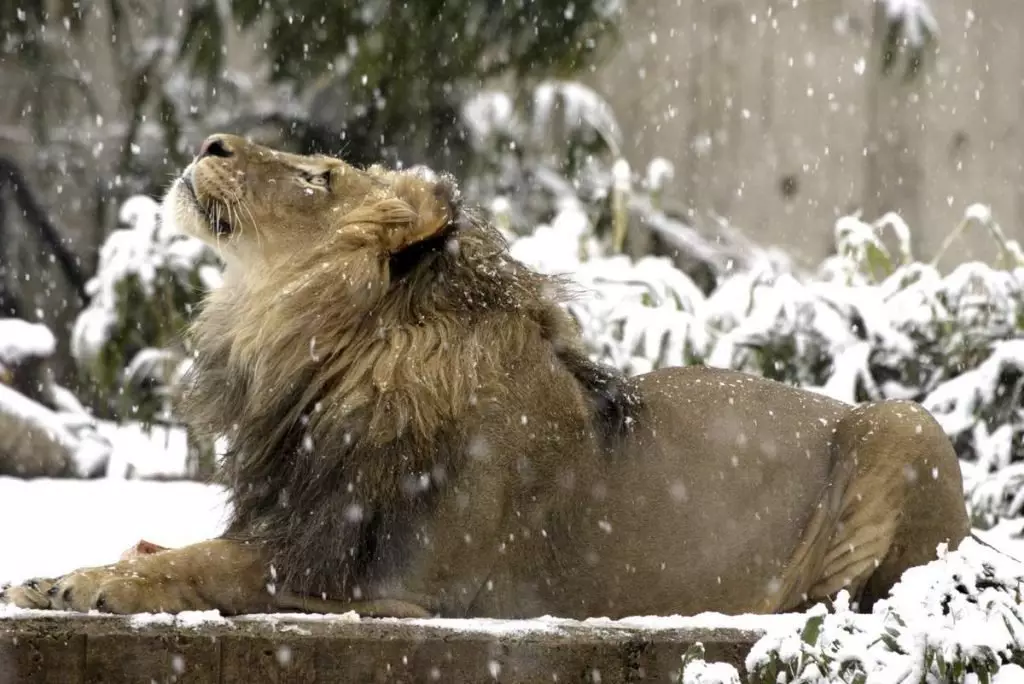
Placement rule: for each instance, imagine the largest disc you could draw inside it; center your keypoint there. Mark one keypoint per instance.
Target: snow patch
(20, 340)
(98, 519)
(189, 619)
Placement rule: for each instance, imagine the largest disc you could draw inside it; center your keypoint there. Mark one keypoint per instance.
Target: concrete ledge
(38, 646)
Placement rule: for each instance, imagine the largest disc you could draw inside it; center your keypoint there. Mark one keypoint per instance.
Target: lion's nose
(215, 146)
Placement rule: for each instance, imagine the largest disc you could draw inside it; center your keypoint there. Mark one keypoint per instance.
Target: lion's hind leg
(895, 494)
(933, 508)
(904, 497)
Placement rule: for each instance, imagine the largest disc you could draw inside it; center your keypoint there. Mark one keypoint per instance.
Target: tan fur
(416, 429)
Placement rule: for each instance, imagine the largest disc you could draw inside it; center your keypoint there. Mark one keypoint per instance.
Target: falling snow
(872, 321)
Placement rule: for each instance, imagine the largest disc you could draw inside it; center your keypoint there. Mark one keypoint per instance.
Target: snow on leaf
(960, 612)
(579, 107)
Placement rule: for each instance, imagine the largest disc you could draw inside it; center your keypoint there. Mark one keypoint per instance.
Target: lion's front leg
(219, 574)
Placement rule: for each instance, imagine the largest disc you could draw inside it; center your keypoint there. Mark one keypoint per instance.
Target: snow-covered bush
(698, 671)
(44, 430)
(956, 619)
(128, 341)
(559, 150)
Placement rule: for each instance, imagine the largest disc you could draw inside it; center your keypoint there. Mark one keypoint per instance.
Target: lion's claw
(33, 593)
(82, 590)
(104, 589)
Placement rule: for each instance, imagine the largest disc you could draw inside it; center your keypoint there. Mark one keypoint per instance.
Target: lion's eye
(320, 180)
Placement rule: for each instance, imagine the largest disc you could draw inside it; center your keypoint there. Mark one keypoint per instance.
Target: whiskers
(237, 214)
(241, 206)
(214, 227)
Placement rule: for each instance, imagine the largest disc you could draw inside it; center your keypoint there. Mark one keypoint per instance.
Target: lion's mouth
(219, 225)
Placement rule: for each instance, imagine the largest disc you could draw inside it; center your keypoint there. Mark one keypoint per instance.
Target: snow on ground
(53, 526)
(153, 452)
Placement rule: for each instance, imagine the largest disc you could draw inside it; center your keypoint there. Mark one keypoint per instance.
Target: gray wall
(777, 116)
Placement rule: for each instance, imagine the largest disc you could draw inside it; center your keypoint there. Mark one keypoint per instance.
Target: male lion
(416, 430)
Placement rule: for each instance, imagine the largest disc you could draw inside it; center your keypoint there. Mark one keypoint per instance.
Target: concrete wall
(778, 117)
(774, 111)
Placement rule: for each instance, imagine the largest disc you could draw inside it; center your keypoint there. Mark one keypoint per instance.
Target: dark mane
(613, 400)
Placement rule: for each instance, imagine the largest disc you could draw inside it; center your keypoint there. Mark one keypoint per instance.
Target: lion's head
(259, 206)
(330, 267)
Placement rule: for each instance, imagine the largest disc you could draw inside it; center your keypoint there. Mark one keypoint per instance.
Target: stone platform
(38, 646)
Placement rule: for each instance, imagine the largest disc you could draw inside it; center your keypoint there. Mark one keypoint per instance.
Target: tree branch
(11, 176)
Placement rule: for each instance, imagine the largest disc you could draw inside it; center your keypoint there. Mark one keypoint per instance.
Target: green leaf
(812, 630)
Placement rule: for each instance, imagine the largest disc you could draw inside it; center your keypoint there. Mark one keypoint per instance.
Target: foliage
(376, 78)
(128, 341)
(384, 43)
(956, 619)
(338, 77)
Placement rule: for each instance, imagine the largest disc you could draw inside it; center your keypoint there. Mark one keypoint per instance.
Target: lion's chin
(182, 211)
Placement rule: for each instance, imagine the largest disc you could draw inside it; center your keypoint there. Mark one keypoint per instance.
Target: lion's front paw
(117, 589)
(109, 589)
(33, 593)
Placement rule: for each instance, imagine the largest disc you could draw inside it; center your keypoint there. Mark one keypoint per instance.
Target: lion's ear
(433, 201)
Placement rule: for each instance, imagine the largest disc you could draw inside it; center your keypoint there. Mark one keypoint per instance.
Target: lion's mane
(345, 381)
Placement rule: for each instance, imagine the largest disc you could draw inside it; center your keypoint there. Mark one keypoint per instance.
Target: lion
(416, 429)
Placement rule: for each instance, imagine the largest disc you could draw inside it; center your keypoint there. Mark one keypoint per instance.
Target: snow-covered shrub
(956, 619)
(44, 429)
(559, 146)
(557, 149)
(636, 315)
(128, 341)
(698, 671)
